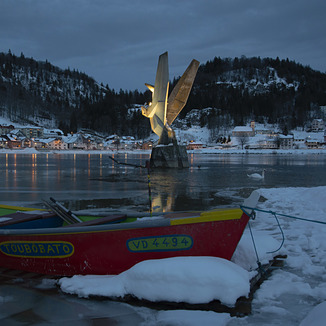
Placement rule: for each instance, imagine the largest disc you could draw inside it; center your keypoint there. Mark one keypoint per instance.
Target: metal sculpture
(163, 109)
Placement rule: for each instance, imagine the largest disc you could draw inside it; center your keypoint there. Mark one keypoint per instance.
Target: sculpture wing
(161, 87)
(179, 96)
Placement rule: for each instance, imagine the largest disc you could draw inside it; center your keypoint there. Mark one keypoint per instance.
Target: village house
(14, 141)
(262, 130)
(4, 142)
(42, 143)
(70, 140)
(82, 141)
(6, 129)
(49, 143)
(267, 143)
(58, 144)
(240, 131)
(144, 145)
(32, 132)
(312, 143)
(286, 141)
(52, 133)
(317, 125)
(194, 145)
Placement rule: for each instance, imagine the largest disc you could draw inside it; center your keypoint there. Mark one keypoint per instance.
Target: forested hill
(32, 90)
(273, 90)
(241, 89)
(36, 92)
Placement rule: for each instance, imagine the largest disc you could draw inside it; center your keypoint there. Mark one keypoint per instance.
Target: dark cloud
(118, 41)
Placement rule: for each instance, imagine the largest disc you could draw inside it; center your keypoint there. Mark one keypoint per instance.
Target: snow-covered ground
(292, 295)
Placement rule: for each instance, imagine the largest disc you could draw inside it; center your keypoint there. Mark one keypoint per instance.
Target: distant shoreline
(196, 151)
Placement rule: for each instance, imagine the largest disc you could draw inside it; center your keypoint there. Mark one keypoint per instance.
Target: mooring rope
(256, 252)
(278, 223)
(279, 214)
(283, 237)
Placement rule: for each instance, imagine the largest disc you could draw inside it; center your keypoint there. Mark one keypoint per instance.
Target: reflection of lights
(74, 170)
(34, 169)
(7, 171)
(192, 159)
(162, 204)
(101, 165)
(89, 165)
(15, 163)
(112, 161)
(34, 163)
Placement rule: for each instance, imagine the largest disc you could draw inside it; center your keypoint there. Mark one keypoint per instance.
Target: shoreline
(196, 151)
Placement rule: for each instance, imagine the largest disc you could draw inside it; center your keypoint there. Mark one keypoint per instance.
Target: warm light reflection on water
(101, 165)
(112, 162)
(74, 168)
(34, 170)
(89, 165)
(99, 180)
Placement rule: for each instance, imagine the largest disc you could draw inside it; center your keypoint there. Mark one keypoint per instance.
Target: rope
(278, 223)
(279, 214)
(283, 238)
(254, 244)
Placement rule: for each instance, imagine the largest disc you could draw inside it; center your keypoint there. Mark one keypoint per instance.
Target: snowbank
(179, 279)
(293, 294)
(316, 317)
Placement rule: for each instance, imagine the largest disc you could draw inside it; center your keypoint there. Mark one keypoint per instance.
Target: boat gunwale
(139, 224)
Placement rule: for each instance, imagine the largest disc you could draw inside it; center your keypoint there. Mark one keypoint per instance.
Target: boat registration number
(160, 243)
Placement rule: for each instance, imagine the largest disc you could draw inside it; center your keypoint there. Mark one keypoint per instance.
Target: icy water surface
(98, 183)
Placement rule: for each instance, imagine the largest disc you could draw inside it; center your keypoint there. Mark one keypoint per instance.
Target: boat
(109, 249)
(16, 217)
(12, 217)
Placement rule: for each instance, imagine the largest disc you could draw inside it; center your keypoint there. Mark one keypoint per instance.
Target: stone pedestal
(169, 156)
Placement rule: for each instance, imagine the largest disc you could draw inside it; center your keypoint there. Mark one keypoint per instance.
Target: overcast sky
(118, 42)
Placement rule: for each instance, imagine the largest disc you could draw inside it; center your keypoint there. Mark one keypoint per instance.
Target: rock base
(169, 156)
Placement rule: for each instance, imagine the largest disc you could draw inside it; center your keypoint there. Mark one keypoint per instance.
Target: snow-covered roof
(70, 139)
(44, 140)
(242, 128)
(286, 136)
(53, 131)
(312, 140)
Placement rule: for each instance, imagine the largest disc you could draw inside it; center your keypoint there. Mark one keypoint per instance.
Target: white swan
(257, 175)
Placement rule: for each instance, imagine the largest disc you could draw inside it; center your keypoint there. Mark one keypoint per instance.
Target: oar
(59, 212)
(66, 211)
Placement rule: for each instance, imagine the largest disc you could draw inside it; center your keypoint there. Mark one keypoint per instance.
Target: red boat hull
(114, 249)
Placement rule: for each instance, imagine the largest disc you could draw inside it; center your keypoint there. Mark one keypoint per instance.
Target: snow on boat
(113, 248)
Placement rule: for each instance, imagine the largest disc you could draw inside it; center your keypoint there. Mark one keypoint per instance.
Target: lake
(96, 182)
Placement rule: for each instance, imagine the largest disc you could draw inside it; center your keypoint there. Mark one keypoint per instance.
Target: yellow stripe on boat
(19, 208)
(210, 216)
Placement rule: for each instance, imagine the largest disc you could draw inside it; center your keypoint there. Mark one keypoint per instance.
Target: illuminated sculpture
(163, 110)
